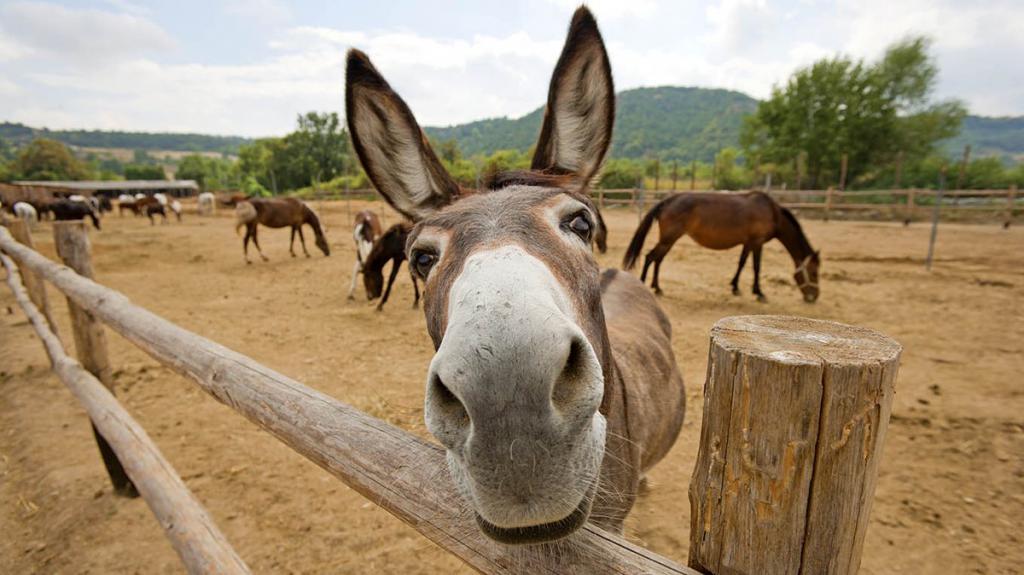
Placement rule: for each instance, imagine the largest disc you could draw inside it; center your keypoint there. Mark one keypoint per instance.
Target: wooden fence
(904, 204)
(408, 477)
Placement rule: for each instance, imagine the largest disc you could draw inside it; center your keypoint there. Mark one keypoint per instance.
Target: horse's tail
(245, 213)
(637, 243)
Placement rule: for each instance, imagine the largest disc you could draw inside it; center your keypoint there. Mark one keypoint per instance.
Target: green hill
(1003, 137)
(668, 122)
(19, 134)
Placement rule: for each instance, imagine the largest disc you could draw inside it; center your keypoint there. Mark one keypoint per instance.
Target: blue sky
(248, 68)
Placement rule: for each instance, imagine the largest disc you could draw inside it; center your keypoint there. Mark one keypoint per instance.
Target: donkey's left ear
(391, 146)
(578, 120)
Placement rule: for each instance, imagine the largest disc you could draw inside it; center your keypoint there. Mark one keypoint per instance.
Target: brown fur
(720, 221)
(283, 213)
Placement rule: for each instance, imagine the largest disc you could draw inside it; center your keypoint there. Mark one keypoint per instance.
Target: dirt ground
(950, 498)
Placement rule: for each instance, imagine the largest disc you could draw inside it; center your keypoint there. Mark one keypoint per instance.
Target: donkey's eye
(423, 262)
(579, 224)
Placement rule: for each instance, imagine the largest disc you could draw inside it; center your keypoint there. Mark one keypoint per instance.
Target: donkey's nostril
(572, 383)
(446, 404)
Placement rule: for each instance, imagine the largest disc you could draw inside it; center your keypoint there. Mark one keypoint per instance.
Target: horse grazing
(553, 387)
(175, 207)
(367, 230)
(154, 208)
(720, 221)
(207, 203)
(25, 211)
(389, 248)
(277, 213)
(65, 210)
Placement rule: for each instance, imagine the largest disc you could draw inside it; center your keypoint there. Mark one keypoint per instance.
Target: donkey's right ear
(391, 146)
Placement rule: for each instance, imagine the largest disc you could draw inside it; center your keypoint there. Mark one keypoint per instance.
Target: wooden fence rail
(201, 546)
(402, 473)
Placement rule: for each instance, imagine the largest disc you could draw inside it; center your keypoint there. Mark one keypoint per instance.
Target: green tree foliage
(621, 173)
(45, 159)
(19, 135)
(869, 112)
(210, 173)
(728, 175)
(144, 172)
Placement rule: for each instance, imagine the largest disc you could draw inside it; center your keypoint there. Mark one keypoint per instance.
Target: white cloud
(82, 35)
(611, 10)
(262, 12)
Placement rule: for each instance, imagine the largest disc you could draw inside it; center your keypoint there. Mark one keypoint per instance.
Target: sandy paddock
(950, 498)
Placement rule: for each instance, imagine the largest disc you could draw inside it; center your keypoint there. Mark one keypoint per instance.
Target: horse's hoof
(657, 291)
(265, 258)
(379, 308)
(735, 291)
(351, 297)
(248, 263)
(761, 298)
(293, 255)
(307, 255)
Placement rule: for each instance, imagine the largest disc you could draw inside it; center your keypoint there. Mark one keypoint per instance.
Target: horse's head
(806, 277)
(512, 295)
(321, 242)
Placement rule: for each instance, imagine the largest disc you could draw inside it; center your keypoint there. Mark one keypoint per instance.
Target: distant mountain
(667, 122)
(1002, 137)
(19, 134)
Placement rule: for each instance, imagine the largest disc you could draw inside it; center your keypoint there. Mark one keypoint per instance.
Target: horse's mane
(380, 255)
(805, 245)
(312, 219)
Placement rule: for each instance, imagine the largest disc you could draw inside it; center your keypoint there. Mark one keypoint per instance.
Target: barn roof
(118, 186)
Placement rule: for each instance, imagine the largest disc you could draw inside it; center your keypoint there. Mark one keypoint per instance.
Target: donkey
(367, 230)
(277, 213)
(553, 387)
(721, 221)
(390, 247)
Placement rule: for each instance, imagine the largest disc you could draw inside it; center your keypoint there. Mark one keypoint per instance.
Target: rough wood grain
(201, 546)
(402, 473)
(795, 413)
(33, 283)
(72, 241)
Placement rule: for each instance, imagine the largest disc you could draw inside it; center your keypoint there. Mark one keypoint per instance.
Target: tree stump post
(828, 202)
(910, 207)
(34, 284)
(72, 242)
(795, 415)
(1011, 199)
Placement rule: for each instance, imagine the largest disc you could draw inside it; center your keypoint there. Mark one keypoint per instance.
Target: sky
(250, 67)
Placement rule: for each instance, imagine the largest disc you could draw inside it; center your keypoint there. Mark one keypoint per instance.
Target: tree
(869, 112)
(45, 159)
(144, 172)
(321, 145)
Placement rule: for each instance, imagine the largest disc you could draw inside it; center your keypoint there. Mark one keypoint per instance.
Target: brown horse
(720, 221)
(277, 213)
(390, 247)
(367, 230)
(554, 386)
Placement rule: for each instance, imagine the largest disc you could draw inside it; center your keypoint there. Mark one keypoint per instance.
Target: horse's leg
(302, 240)
(245, 245)
(736, 278)
(656, 256)
(391, 279)
(256, 241)
(355, 276)
(757, 274)
(291, 243)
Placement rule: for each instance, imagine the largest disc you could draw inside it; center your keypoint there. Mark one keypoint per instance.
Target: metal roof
(117, 185)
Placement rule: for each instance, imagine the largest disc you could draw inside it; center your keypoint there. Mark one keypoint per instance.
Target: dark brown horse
(720, 221)
(365, 233)
(278, 213)
(389, 248)
(65, 210)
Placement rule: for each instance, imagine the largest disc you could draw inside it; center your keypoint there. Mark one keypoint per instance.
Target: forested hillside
(19, 135)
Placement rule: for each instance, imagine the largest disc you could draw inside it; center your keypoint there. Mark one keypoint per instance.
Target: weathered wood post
(910, 207)
(828, 202)
(34, 284)
(844, 164)
(72, 242)
(1011, 199)
(600, 198)
(795, 415)
(693, 175)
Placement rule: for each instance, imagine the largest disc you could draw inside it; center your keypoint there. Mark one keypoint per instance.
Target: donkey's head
(512, 295)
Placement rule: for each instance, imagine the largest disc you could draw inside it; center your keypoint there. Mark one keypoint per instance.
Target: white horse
(176, 208)
(161, 198)
(207, 203)
(26, 212)
(140, 197)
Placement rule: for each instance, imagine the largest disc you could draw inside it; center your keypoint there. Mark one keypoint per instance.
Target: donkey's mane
(540, 178)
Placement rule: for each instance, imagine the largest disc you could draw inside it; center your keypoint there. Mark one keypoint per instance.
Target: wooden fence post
(910, 207)
(795, 415)
(844, 164)
(600, 198)
(34, 284)
(693, 175)
(828, 202)
(1011, 199)
(72, 242)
